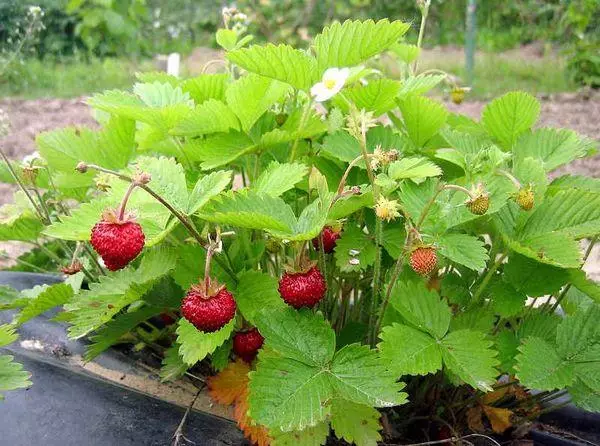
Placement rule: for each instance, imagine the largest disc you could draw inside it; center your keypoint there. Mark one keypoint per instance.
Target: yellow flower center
(329, 83)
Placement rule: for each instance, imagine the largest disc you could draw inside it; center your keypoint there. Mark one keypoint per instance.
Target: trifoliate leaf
(12, 375)
(195, 345)
(251, 96)
(110, 333)
(421, 307)
(219, 149)
(540, 367)
(206, 188)
(300, 335)
(554, 147)
(281, 62)
(534, 278)
(409, 351)
(279, 178)
(311, 436)
(508, 116)
(468, 355)
(93, 308)
(52, 296)
(288, 394)
(360, 375)
(206, 86)
(173, 365)
(506, 300)
(355, 423)
(423, 118)
(476, 318)
(210, 117)
(350, 43)
(256, 292)
(354, 251)
(414, 168)
(463, 249)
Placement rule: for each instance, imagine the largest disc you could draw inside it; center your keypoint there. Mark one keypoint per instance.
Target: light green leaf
(173, 365)
(579, 280)
(468, 355)
(287, 394)
(206, 188)
(377, 96)
(353, 42)
(279, 178)
(250, 210)
(508, 116)
(413, 167)
(95, 307)
(554, 147)
(408, 351)
(17, 223)
(578, 333)
(584, 396)
(219, 149)
(300, 335)
(12, 375)
(415, 85)
(195, 345)
(406, 52)
(226, 38)
(571, 212)
(553, 249)
(281, 62)
(463, 249)
(423, 118)
(251, 96)
(111, 147)
(355, 423)
(359, 375)
(209, 117)
(53, 296)
(205, 87)
(506, 300)
(111, 332)
(342, 146)
(533, 278)
(256, 292)
(311, 436)
(540, 367)
(8, 334)
(421, 307)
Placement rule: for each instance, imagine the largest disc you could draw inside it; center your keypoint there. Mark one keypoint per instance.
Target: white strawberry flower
(332, 82)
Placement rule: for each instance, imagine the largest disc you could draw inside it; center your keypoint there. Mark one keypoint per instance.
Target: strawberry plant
(350, 258)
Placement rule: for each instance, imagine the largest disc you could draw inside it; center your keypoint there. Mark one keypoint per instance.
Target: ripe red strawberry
(118, 241)
(208, 312)
(423, 260)
(303, 289)
(247, 343)
(330, 237)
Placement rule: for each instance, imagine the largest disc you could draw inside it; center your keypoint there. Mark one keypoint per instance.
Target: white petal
(320, 92)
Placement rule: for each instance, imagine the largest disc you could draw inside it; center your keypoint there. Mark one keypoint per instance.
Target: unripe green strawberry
(525, 198)
(457, 95)
(423, 260)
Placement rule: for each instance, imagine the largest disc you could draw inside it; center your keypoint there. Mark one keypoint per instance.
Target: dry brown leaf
(474, 421)
(229, 384)
(499, 418)
(491, 397)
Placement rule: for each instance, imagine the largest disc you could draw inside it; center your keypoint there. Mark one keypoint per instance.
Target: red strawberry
(303, 289)
(423, 260)
(247, 343)
(330, 237)
(118, 241)
(208, 312)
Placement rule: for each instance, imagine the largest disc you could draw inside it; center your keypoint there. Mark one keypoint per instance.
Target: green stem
(303, 120)
(21, 185)
(424, 14)
(488, 277)
(376, 282)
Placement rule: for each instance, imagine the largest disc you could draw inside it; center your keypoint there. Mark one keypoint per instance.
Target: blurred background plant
(81, 35)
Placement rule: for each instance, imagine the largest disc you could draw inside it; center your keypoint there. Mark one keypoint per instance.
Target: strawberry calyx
(207, 289)
(112, 216)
